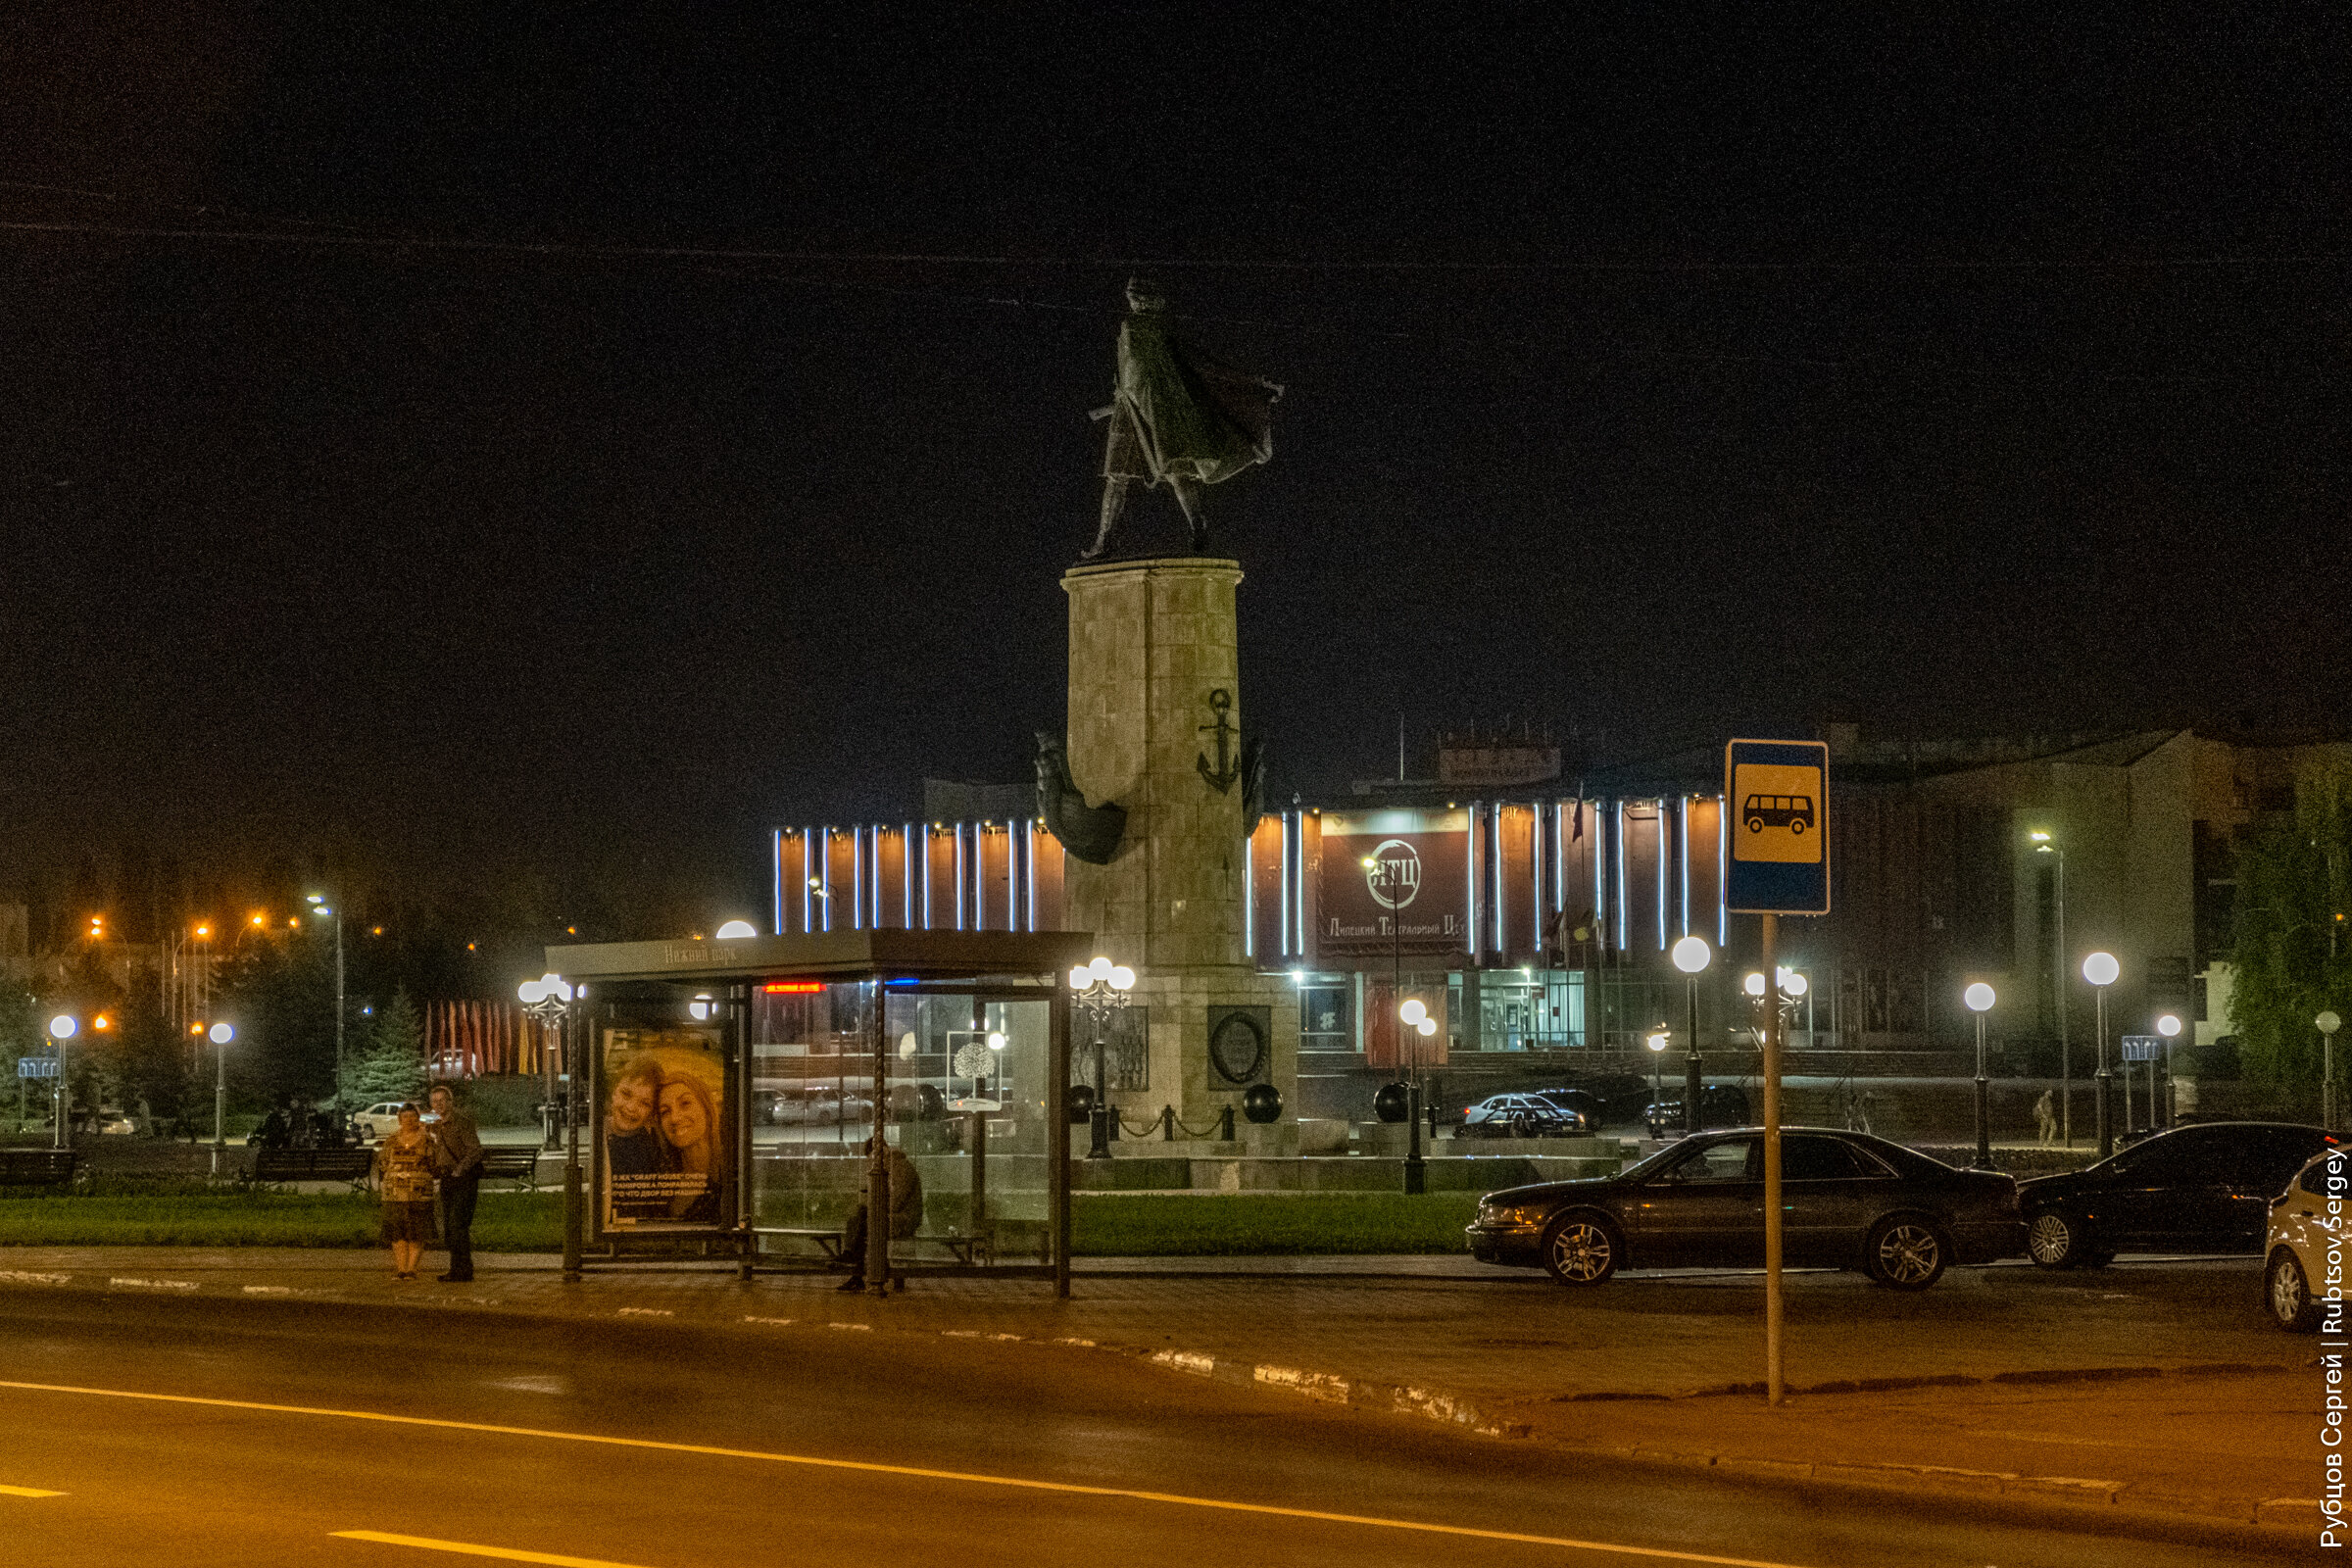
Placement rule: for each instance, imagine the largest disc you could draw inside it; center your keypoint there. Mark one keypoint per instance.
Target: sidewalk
(2149, 1388)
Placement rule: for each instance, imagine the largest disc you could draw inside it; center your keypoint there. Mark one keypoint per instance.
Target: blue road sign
(1776, 799)
(36, 1067)
(2143, 1047)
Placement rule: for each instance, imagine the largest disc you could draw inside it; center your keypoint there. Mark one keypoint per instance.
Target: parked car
(379, 1121)
(1520, 1117)
(1853, 1201)
(1719, 1105)
(2203, 1189)
(2297, 1240)
(114, 1122)
(1586, 1103)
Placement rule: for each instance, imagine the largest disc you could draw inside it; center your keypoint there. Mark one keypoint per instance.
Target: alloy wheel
(1582, 1254)
(2290, 1295)
(2050, 1240)
(1909, 1255)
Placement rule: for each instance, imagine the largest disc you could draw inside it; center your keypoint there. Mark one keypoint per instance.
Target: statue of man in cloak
(1177, 416)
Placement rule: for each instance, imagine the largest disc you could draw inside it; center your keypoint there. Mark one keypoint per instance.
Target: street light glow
(737, 930)
(1413, 1011)
(1979, 997)
(1753, 985)
(222, 1034)
(2167, 1026)
(1691, 954)
(2100, 969)
(65, 1026)
(1657, 1038)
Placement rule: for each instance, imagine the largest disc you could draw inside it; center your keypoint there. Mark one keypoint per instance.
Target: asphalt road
(188, 1433)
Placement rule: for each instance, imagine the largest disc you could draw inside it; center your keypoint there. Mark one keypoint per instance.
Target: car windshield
(1651, 1166)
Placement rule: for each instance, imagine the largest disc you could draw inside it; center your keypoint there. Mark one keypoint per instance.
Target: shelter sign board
(1776, 795)
(1394, 883)
(2143, 1047)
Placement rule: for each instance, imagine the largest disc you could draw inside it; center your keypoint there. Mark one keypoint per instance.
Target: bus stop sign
(1776, 802)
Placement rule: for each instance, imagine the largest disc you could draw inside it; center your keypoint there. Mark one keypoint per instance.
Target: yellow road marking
(27, 1491)
(867, 1467)
(465, 1549)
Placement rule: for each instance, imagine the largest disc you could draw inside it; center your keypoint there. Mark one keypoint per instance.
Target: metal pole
(552, 1138)
(2327, 1081)
(575, 1193)
(1100, 1148)
(1775, 1391)
(63, 1098)
(1693, 1083)
(339, 1105)
(878, 1204)
(1057, 1137)
(2064, 977)
(2106, 1081)
(1984, 1159)
(219, 1102)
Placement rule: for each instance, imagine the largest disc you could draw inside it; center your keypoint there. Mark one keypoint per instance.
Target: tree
(2292, 954)
(391, 1065)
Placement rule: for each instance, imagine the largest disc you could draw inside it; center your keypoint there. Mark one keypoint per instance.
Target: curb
(2300, 1515)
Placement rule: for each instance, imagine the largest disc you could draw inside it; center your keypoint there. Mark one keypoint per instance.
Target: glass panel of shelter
(965, 1104)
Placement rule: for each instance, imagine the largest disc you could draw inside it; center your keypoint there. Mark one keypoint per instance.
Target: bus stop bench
(313, 1165)
(36, 1168)
(966, 1250)
(511, 1165)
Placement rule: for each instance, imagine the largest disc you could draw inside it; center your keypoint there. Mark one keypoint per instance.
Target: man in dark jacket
(906, 1213)
(457, 1162)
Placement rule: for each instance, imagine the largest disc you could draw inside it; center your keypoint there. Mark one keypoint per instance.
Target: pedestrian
(1870, 1101)
(906, 1213)
(404, 1172)
(2045, 1119)
(457, 1162)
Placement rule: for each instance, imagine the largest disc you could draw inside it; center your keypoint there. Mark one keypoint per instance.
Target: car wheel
(1906, 1252)
(2052, 1241)
(1581, 1249)
(2289, 1295)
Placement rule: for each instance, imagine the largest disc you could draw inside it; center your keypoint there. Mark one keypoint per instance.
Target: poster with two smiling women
(662, 1121)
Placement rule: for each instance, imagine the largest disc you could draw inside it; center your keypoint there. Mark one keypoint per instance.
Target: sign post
(1776, 797)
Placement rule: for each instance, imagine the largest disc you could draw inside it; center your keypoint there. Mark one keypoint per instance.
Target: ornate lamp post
(1100, 990)
(1980, 998)
(2101, 969)
(1414, 1014)
(2327, 1023)
(2167, 1026)
(221, 1035)
(62, 1028)
(548, 999)
(1692, 955)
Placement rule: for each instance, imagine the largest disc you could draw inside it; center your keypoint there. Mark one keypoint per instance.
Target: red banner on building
(1394, 883)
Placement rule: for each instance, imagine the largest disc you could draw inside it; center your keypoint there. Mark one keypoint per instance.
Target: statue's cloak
(1179, 414)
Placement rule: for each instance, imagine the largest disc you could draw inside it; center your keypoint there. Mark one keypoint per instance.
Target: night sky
(1982, 371)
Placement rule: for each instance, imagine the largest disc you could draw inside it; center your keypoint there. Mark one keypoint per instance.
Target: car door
(1706, 1209)
(1827, 1200)
(2257, 1170)
(2170, 1192)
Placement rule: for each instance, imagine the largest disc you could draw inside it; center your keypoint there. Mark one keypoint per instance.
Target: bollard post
(1225, 1124)
(1167, 1124)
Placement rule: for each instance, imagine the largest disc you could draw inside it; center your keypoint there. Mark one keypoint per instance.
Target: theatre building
(1534, 921)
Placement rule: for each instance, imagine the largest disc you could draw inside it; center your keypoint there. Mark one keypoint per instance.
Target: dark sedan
(1520, 1117)
(1850, 1201)
(1719, 1105)
(2202, 1188)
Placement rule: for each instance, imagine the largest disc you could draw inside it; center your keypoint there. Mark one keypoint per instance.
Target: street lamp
(62, 1028)
(1413, 1013)
(1658, 1041)
(2045, 844)
(2167, 1026)
(2327, 1023)
(319, 907)
(1979, 997)
(548, 999)
(221, 1035)
(1692, 955)
(2101, 970)
(1100, 989)
(736, 931)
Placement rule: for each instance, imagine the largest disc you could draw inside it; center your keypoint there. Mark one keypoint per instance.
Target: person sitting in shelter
(905, 1212)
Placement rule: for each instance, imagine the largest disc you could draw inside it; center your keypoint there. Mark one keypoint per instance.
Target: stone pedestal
(1153, 645)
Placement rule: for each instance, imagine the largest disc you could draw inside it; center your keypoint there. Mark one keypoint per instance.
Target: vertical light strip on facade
(1597, 845)
(1029, 864)
(1685, 847)
(906, 880)
(1535, 866)
(1471, 938)
(959, 876)
(1494, 852)
(1249, 896)
(1622, 932)
(1662, 859)
(1300, 929)
(856, 877)
(808, 873)
(1282, 942)
(825, 893)
(776, 842)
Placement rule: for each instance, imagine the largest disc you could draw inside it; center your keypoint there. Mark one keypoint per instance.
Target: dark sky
(1950, 371)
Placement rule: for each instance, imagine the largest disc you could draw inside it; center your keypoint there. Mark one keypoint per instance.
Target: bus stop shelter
(725, 1092)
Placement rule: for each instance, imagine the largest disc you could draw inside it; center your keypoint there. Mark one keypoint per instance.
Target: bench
(966, 1250)
(513, 1166)
(275, 1165)
(36, 1168)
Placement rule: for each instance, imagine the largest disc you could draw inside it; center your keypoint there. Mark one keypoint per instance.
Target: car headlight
(1509, 1213)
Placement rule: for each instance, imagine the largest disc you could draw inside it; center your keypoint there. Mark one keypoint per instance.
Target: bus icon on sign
(1792, 812)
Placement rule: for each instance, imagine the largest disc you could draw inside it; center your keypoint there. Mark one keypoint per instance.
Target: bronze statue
(1176, 416)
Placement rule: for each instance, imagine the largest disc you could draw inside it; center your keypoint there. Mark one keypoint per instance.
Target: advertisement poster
(664, 1125)
(1411, 901)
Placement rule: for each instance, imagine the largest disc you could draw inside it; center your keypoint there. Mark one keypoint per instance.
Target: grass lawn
(1107, 1225)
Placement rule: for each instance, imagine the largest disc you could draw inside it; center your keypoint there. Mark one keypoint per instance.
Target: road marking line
(18, 1276)
(468, 1549)
(648, 1311)
(916, 1472)
(154, 1285)
(27, 1491)
(269, 1290)
(750, 1318)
